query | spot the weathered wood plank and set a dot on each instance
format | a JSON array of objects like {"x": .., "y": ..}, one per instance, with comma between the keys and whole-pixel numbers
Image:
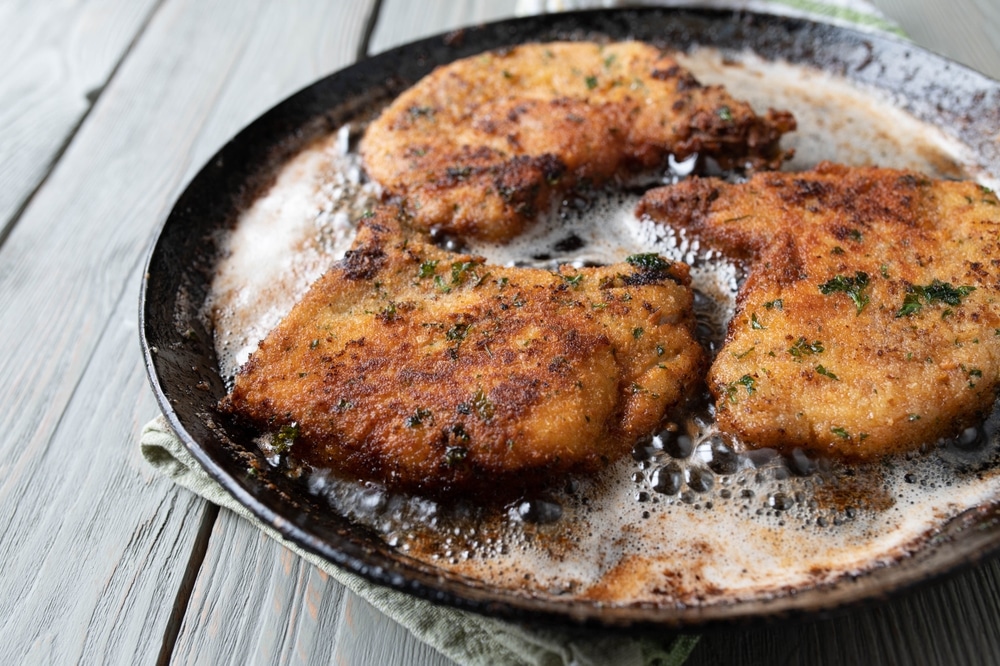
[
  {"x": 369, "y": 637},
  {"x": 259, "y": 603},
  {"x": 400, "y": 21},
  {"x": 93, "y": 548},
  {"x": 966, "y": 31},
  {"x": 100, "y": 543},
  {"x": 56, "y": 60}
]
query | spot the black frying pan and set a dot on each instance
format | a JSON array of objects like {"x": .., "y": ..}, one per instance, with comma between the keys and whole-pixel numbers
[{"x": 183, "y": 368}]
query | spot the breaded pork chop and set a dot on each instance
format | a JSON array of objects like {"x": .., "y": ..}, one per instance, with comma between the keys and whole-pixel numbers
[
  {"x": 868, "y": 322},
  {"x": 433, "y": 372},
  {"x": 479, "y": 146}
]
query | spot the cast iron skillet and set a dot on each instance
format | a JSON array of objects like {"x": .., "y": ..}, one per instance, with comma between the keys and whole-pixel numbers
[{"x": 183, "y": 368}]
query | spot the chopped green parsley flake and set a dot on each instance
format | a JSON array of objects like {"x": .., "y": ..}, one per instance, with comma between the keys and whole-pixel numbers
[
  {"x": 803, "y": 347},
  {"x": 840, "y": 432},
  {"x": 826, "y": 373},
  {"x": 286, "y": 437},
  {"x": 573, "y": 280},
  {"x": 427, "y": 269},
  {"x": 725, "y": 114},
  {"x": 776, "y": 304},
  {"x": 854, "y": 287},
  {"x": 649, "y": 261},
  {"x": 637, "y": 332},
  {"x": 418, "y": 111},
  {"x": 418, "y": 417},
  {"x": 917, "y": 296},
  {"x": 747, "y": 382},
  {"x": 591, "y": 82},
  {"x": 481, "y": 403},
  {"x": 457, "y": 332},
  {"x": 755, "y": 323}
]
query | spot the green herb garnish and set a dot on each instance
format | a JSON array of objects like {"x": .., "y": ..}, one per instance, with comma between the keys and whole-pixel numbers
[
  {"x": 649, "y": 261},
  {"x": 747, "y": 382},
  {"x": 418, "y": 417},
  {"x": 482, "y": 405},
  {"x": 285, "y": 437},
  {"x": 917, "y": 296},
  {"x": 457, "y": 332},
  {"x": 427, "y": 269},
  {"x": 826, "y": 373},
  {"x": 854, "y": 287},
  {"x": 803, "y": 347}
]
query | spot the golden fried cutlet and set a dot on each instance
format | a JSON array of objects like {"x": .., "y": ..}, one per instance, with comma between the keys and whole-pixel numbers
[
  {"x": 868, "y": 322},
  {"x": 479, "y": 146},
  {"x": 433, "y": 372}
]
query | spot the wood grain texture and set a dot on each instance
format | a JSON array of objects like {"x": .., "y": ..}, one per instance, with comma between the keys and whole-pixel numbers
[
  {"x": 260, "y": 603},
  {"x": 966, "y": 31},
  {"x": 94, "y": 545},
  {"x": 94, "y": 548},
  {"x": 401, "y": 21},
  {"x": 57, "y": 57}
]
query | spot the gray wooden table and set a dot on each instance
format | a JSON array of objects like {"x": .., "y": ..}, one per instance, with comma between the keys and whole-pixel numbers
[{"x": 107, "y": 107}]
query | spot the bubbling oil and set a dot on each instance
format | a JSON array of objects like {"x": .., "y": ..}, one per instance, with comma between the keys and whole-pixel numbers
[{"x": 690, "y": 516}]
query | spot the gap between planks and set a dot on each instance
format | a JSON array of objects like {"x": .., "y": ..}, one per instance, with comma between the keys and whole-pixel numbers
[{"x": 92, "y": 97}]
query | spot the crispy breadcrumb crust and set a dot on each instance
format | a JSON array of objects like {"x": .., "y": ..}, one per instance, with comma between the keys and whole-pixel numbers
[
  {"x": 868, "y": 323},
  {"x": 431, "y": 371},
  {"x": 480, "y": 146}
]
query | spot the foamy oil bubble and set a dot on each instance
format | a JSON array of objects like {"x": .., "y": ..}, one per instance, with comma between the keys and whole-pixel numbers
[
  {"x": 284, "y": 241},
  {"x": 690, "y": 516}
]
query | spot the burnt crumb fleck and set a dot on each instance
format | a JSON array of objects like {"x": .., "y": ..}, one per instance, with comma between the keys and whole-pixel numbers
[{"x": 364, "y": 263}]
